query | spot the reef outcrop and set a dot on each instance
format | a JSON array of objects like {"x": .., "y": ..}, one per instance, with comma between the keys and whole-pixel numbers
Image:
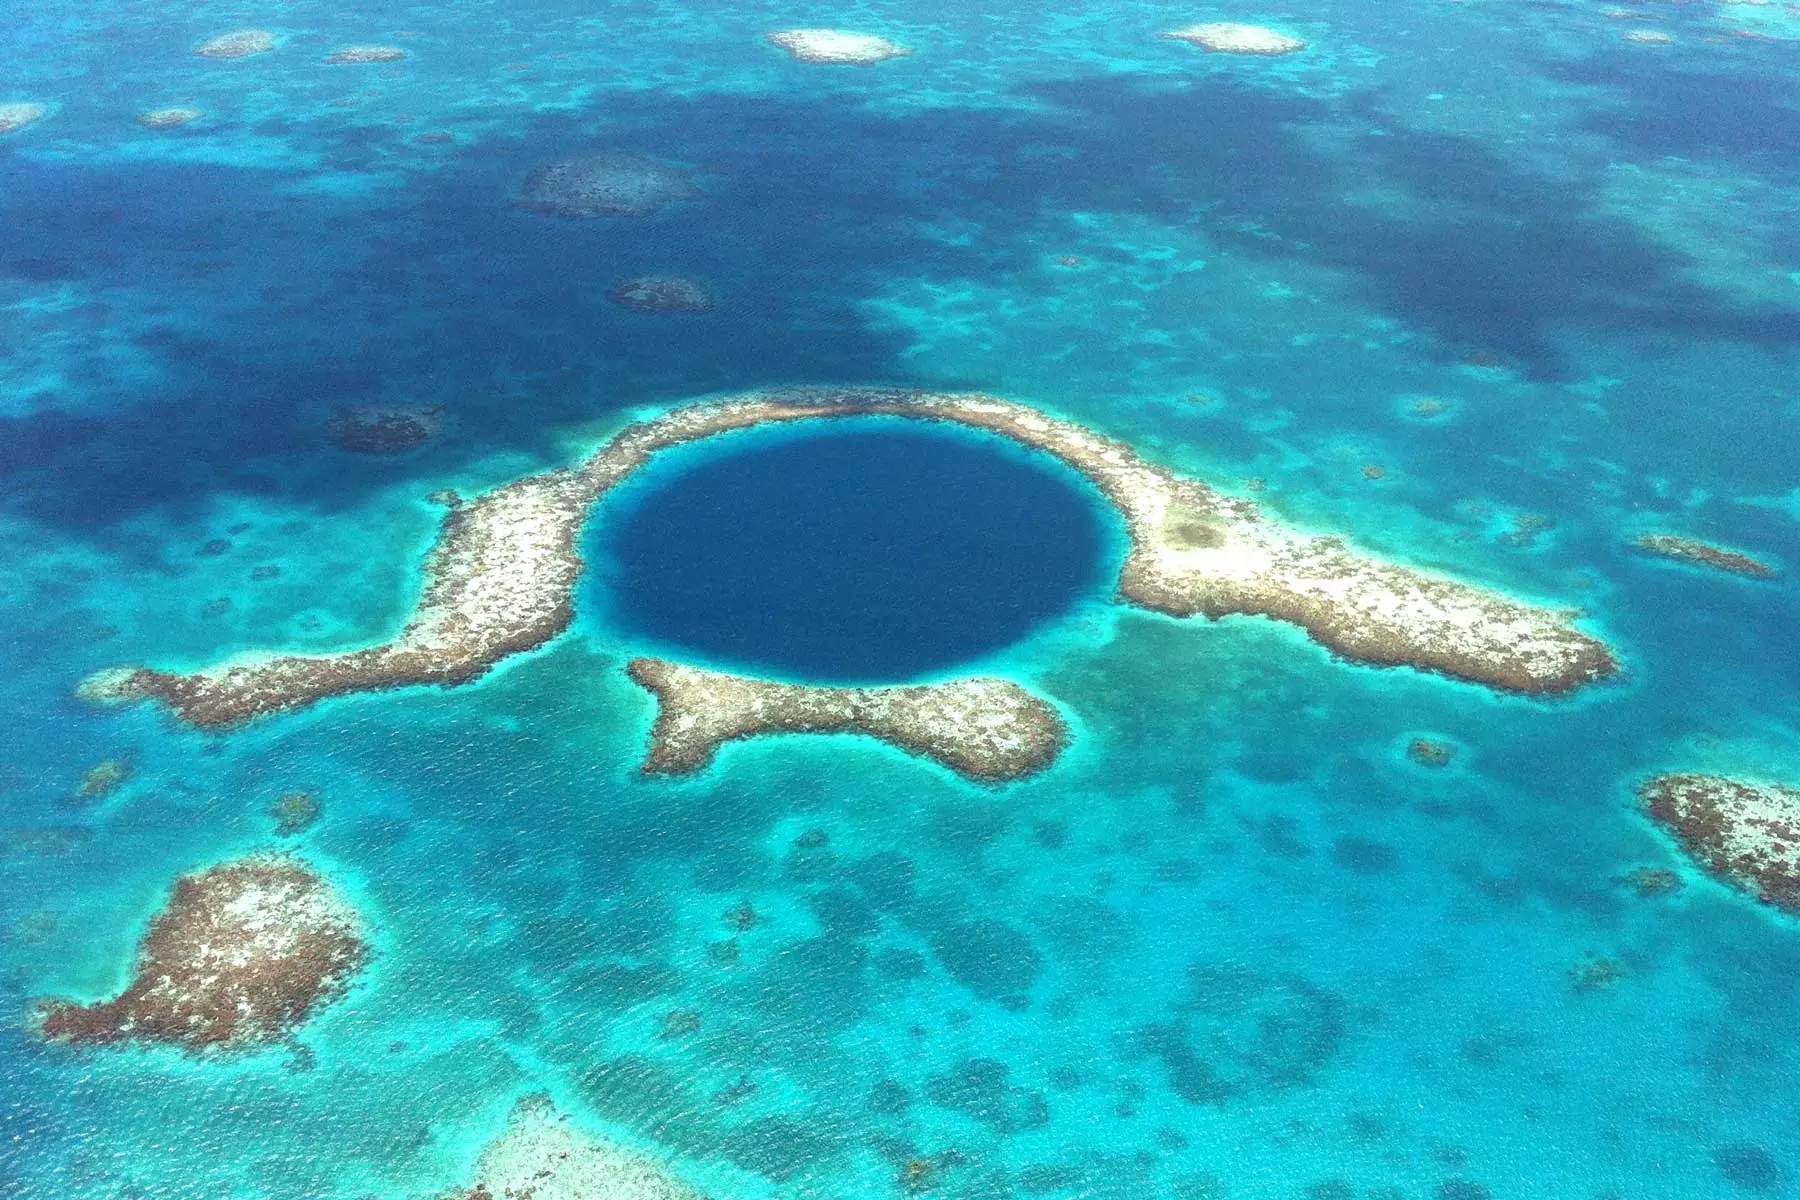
[
  {"x": 604, "y": 185},
  {"x": 167, "y": 118},
  {"x": 983, "y": 728},
  {"x": 1703, "y": 554},
  {"x": 17, "y": 115},
  {"x": 366, "y": 54},
  {"x": 1744, "y": 832},
  {"x": 660, "y": 294},
  {"x": 500, "y": 578},
  {"x": 837, "y": 47},
  {"x": 542, "y": 1156},
  {"x": 239, "y": 43},
  {"x": 1231, "y": 37},
  {"x": 239, "y": 957}
]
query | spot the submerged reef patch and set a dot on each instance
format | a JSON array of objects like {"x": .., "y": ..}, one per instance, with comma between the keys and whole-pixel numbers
[
  {"x": 239, "y": 957},
  {"x": 379, "y": 430},
  {"x": 1232, "y": 37},
  {"x": 604, "y": 185},
  {"x": 541, "y": 1155},
  {"x": 239, "y": 43},
  {"x": 167, "y": 118},
  {"x": 1744, "y": 832},
  {"x": 1703, "y": 554},
  {"x": 660, "y": 294},
  {"x": 835, "y": 46},
  {"x": 501, "y": 576},
  {"x": 17, "y": 115},
  {"x": 366, "y": 54},
  {"x": 983, "y": 728}
]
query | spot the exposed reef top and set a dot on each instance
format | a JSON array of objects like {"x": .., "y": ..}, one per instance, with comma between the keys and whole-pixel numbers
[
  {"x": 19, "y": 114},
  {"x": 604, "y": 185},
  {"x": 837, "y": 46},
  {"x": 1744, "y": 832},
  {"x": 983, "y": 728},
  {"x": 366, "y": 54},
  {"x": 500, "y": 578},
  {"x": 541, "y": 1156},
  {"x": 1704, "y": 554},
  {"x": 239, "y": 957},
  {"x": 237, "y": 44},
  {"x": 1230, "y": 37}
]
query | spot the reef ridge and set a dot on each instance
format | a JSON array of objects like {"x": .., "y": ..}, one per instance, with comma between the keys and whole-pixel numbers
[{"x": 1744, "y": 832}]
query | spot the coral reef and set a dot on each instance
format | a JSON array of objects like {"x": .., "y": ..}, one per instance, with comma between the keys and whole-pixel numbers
[
  {"x": 541, "y": 1156},
  {"x": 366, "y": 54},
  {"x": 984, "y": 728},
  {"x": 1703, "y": 554},
  {"x": 383, "y": 430},
  {"x": 1230, "y": 37},
  {"x": 1429, "y": 752},
  {"x": 17, "y": 115},
  {"x": 103, "y": 779},
  {"x": 604, "y": 185},
  {"x": 1648, "y": 37},
  {"x": 1744, "y": 832},
  {"x": 294, "y": 812},
  {"x": 239, "y": 43},
  {"x": 661, "y": 294},
  {"x": 835, "y": 46},
  {"x": 500, "y": 578},
  {"x": 167, "y": 118},
  {"x": 239, "y": 957}
]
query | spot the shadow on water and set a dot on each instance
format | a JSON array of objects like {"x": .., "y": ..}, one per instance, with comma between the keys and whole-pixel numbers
[{"x": 273, "y": 301}]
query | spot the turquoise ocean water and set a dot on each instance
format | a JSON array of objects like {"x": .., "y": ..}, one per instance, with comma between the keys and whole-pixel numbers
[{"x": 1234, "y": 945}]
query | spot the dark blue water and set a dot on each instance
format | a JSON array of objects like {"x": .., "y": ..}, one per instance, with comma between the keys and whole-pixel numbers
[{"x": 872, "y": 552}]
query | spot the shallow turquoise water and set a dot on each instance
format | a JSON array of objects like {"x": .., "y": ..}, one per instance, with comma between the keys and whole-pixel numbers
[{"x": 1234, "y": 945}]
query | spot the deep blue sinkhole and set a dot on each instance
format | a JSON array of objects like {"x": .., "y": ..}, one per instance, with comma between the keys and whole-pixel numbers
[{"x": 862, "y": 550}]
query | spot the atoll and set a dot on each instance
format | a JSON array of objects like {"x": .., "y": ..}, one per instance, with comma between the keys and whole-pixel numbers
[
  {"x": 1703, "y": 554},
  {"x": 382, "y": 430},
  {"x": 19, "y": 114},
  {"x": 366, "y": 54},
  {"x": 604, "y": 185},
  {"x": 1231, "y": 37},
  {"x": 500, "y": 577},
  {"x": 239, "y": 957},
  {"x": 239, "y": 43},
  {"x": 661, "y": 294},
  {"x": 1744, "y": 832},
  {"x": 835, "y": 46},
  {"x": 542, "y": 1156},
  {"x": 167, "y": 118},
  {"x": 983, "y": 728}
]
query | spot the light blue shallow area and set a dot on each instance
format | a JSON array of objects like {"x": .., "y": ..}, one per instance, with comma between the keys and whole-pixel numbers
[{"x": 1234, "y": 945}]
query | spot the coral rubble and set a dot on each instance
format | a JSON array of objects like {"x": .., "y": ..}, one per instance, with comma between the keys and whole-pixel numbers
[
  {"x": 1744, "y": 832},
  {"x": 1703, "y": 554},
  {"x": 835, "y": 46},
  {"x": 167, "y": 118},
  {"x": 660, "y": 294},
  {"x": 17, "y": 115},
  {"x": 1231, "y": 37},
  {"x": 984, "y": 728},
  {"x": 239, "y": 957},
  {"x": 239, "y": 43},
  {"x": 544, "y": 1157},
  {"x": 604, "y": 185},
  {"x": 500, "y": 578}
]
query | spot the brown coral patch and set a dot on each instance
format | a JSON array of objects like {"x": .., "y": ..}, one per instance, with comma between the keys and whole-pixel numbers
[
  {"x": 604, "y": 185},
  {"x": 383, "y": 430},
  {"x": 366, "y": 54},
  {"x": 239, "y": 957},
  {"x": 239, "y": 43},
  {"x": 661, "y": 294},
  {"x": 1697, "y": 553}
]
